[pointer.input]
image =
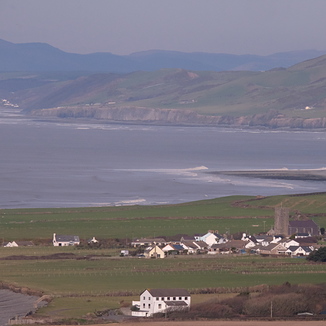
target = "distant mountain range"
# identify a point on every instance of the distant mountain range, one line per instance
(42, 57)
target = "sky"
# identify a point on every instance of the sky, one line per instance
(125, 26)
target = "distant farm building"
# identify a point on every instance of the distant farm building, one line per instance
(154, 301)
(65, 240)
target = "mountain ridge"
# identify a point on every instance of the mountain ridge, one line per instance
(42, 57)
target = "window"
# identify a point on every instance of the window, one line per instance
(157, 299)
(174, 298)
(143, 305)
(186, 298)
(159, 306)
(149, 298)
(168, 298)
(162, 298)
(144, 298)
(149, 305)
(180, 298)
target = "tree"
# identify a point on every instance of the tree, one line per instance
(318, 255)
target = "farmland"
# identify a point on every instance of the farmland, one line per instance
(84, 279)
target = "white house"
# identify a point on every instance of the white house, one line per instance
(210, 238)
(290, 242)
(153, 301)
(65, 240)
(299, 250)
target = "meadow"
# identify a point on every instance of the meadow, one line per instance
(88, 280)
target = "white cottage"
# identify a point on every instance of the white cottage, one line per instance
(65, 240)
(153, 301)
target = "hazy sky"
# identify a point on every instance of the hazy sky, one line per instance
(126, 26)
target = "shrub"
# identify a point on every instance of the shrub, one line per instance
(318, 255)
(212, 309)
(281, 305)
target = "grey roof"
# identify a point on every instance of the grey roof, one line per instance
(305, 248)
(190, 244)
(67, 238)
(175, 303)
(168, 292)
(187, 238)
(302, 241)
(293, 248)
(25, 243)
(177, 247)
(307, 223)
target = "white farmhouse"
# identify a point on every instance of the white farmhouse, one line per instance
(65, 240)
(153, 301)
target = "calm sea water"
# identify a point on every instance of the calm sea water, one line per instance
(58, 164)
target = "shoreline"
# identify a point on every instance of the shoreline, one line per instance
(280, 174)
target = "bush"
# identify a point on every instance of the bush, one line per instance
(281, 305)
(212, 309)
(318, 255)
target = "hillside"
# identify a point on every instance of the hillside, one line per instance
(292, 97)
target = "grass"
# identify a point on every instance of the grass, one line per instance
(121, 275)
(83, 285)
(133, 221)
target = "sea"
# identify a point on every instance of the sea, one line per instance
(60, 163)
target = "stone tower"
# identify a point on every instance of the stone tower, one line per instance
(281, 220)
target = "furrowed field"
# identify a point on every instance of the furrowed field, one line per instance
(83, 280)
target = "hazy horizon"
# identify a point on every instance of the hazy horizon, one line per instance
(124, 27)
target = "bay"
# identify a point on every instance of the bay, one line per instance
(74, 164)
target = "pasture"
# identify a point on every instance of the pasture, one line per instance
(98, 279)
(106, 282)
(134, 221)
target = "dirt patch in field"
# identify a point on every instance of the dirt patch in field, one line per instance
(48, 257)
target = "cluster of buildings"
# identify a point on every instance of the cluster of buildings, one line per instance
(211, 243)
(5, 102)
(291, 238)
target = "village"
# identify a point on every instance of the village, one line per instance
(293, 238)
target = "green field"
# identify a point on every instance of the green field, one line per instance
(134, 221)
(102, 279)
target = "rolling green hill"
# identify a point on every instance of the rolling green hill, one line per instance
(292, 97)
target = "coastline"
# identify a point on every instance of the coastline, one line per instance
(280, 174)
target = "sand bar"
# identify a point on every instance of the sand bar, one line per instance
(283, 174)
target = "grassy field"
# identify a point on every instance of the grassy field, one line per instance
(133, 221)
(106, 281)
(98, 279)
(131, 275)
(250, 215)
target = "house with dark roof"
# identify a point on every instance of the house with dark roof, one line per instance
(65, 240)
(299, 250)
(154, 301)
(173, 249)
(273, 249)
(308, 226)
